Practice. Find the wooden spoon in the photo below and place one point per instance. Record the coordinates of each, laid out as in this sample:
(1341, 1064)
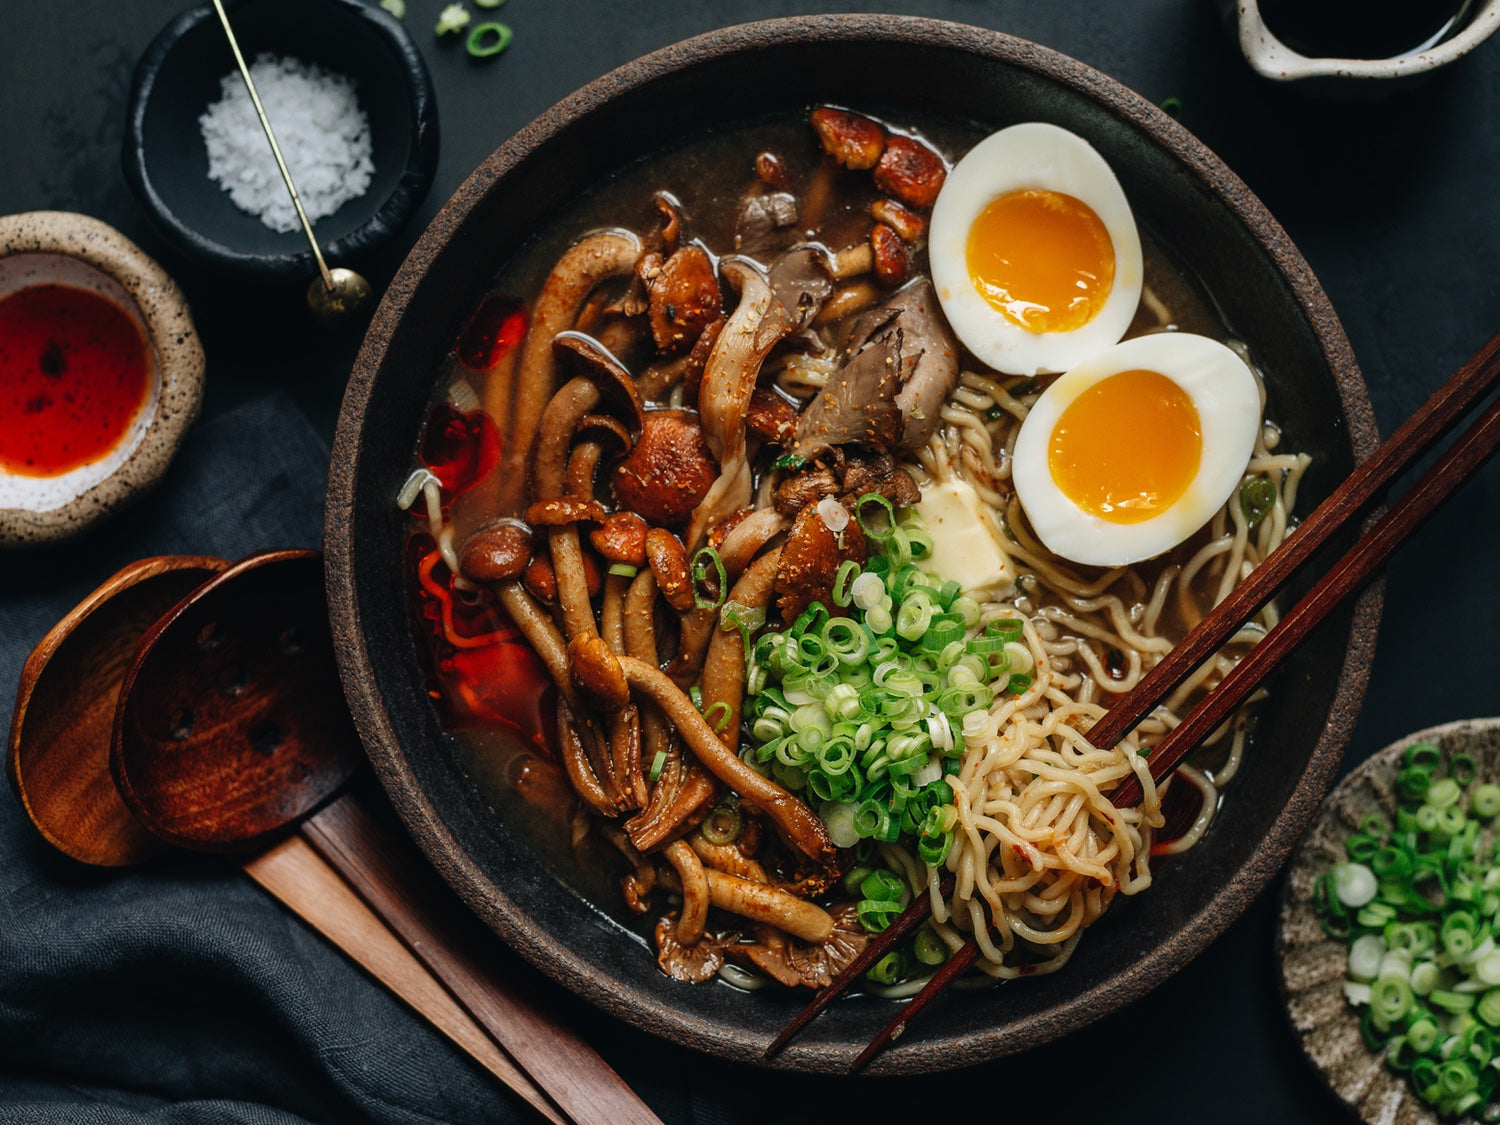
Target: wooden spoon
(58, 761)
(65, 711)
(232, 729)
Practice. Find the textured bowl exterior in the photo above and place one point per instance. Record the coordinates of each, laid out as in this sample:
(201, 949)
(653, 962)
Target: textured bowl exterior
(166, 163)
(172, 337)
(1194, 202)
(1313, 964)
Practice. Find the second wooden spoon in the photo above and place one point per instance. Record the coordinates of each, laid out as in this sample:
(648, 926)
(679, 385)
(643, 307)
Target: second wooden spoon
(232, 729)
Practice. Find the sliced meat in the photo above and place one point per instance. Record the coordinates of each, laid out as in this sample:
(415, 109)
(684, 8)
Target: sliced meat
(800, 281)
(858, 403)
(931, 361)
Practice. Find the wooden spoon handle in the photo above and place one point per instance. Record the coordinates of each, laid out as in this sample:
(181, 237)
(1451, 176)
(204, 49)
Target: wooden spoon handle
(293, 873)
(401, 889)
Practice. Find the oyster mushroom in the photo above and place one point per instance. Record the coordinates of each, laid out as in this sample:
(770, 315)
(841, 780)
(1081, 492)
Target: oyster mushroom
(581, 268)
(758, 322)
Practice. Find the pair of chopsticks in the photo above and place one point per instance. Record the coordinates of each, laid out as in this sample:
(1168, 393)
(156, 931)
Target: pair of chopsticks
(1438, 416)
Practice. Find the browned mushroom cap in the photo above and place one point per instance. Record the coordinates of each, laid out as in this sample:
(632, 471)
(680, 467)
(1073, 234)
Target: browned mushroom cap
(855, 142)
(668, 559)
(615, 383)
(497, 552)
(910, 171)
(563, 510)
(771, 415)
(892, 262)
(685, 298)
(596, 672)
(669, 471)
(811, 558)
(621, 538)
(539, 580)
(908, 224)
(602, 428)
(771, 170)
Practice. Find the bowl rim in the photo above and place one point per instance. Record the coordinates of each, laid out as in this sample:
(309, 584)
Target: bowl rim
(164, 312)
(366, 699)
(390, 217)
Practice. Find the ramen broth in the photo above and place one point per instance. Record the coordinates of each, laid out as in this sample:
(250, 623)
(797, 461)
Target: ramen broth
(708, 175)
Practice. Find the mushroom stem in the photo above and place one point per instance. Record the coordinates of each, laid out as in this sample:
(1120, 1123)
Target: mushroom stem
(581, 268)
(724, 669)
(695, 892)
(797, 822)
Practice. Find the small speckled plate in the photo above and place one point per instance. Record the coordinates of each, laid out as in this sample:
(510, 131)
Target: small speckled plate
(63, 248)
(1312, 964)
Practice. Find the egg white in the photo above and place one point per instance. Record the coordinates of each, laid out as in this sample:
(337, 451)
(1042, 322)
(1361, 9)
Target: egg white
(1038, 157)
(1225, 394)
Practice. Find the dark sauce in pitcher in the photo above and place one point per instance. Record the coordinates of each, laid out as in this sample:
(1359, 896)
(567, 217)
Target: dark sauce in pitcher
(1364, 29)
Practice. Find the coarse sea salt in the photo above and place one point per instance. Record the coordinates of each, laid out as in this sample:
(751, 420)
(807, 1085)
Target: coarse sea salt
(323, 134)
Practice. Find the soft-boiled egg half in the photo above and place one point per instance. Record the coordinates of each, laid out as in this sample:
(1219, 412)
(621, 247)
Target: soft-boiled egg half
(1034, 252)
(1134, 449)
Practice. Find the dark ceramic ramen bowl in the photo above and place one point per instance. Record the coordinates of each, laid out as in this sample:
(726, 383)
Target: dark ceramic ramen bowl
(1183, 198)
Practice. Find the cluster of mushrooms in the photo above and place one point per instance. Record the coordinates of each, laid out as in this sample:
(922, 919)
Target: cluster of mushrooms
(613, 493)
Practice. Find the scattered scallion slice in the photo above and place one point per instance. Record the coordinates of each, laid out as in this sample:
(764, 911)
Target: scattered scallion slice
(451, 20)
(488, 39)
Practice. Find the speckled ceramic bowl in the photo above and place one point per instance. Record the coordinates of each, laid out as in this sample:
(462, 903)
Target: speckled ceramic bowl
(1313, 964)
(1187, 200)
(61, 248)
(1272, 58)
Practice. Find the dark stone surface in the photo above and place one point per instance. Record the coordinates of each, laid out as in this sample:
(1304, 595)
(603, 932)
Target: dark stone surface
(1392, 205)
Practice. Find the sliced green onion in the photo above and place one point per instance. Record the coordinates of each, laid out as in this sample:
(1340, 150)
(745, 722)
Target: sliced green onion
(396, 8)
(723, 825)
(708, 565)
(658, 763)
(623, 570)
(1257, 498)
(928, 948)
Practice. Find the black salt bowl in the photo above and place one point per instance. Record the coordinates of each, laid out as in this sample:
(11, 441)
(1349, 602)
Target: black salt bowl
(178, 78)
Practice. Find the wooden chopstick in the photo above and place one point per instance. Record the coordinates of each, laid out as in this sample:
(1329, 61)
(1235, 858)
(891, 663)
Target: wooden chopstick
(1414, 437)
(1465, 456)
(1461, 459)
(914, 915)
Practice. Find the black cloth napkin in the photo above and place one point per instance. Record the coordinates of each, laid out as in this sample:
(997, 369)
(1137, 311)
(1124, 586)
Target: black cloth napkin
(179, 991)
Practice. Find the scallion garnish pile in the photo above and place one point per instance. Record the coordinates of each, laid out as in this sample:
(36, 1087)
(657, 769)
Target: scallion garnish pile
(867, 713)
(1418, 902)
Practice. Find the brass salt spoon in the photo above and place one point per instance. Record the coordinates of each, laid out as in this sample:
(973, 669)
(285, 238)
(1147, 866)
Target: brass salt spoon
(336, 293)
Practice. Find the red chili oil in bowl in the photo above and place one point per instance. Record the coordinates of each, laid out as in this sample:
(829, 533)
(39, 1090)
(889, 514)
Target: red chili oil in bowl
(74, 377)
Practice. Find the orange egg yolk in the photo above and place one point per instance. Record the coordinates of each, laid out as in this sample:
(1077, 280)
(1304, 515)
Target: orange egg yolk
(1043, 259)
(1102, 458)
